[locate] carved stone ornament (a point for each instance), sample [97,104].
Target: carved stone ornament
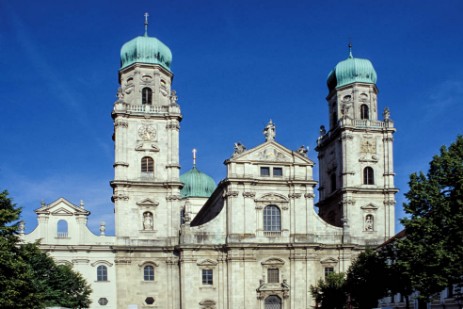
[148,203]
[230,194]
[173,126]
[271,154]
[120,196]
[147,132]
[269,131]
[294,195]
[239,148]
[207,304]
[389,202]
[121,123]
[173,197]
[309,195]
[272,198]
[368,146]
[249,194]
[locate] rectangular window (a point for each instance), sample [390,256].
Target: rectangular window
[277,171]
[207,276]
[328,270]
[273,275]
[265,171]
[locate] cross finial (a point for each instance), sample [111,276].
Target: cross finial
[146,24]
[350,49]
[194,157]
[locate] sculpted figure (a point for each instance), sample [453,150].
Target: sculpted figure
[269,131]
[239,148]
[147,221]
[369,223]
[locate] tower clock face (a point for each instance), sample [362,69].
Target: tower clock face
[147,133]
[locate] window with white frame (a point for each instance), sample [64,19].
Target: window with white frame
[273,275]
[148,273]
[272,218]
[101,273]
[207,276]
[328,271]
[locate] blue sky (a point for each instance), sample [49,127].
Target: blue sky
[237,64]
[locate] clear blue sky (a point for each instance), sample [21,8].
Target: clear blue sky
[236,64]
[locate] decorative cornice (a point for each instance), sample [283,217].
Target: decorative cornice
[309,195]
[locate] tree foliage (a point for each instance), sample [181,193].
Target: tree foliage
[431,253]
[368,279]
[331,292]
[29,278]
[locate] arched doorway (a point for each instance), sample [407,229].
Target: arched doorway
[273,302]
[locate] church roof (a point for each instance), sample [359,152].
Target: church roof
[197,184]
[145,49]
[351,70]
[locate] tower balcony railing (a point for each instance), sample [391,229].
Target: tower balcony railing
[357,123]
[148,109]
[122,107]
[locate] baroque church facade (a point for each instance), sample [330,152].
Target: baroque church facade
[252,241]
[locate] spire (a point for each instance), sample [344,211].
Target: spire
[194,157]
[146,24]
[350,49]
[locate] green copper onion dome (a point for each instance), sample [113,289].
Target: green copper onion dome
[145,49]
[351,70]
[196,184]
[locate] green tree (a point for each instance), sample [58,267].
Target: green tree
[331,292]
[431,251]
[29,278]
[368,279]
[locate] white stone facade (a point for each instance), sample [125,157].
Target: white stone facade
[257,242]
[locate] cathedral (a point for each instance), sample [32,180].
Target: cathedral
[255,239]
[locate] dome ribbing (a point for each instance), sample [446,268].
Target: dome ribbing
[352,70]
[196,184]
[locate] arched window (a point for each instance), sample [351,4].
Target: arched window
[101,273]
[147,165]
[368,176]
[272,218]
[148,273]
[146,96]
[364,112]
[273,302]
[62,229]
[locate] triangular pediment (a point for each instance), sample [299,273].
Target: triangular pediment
[62,207]
[369,207]
[147,202]
[273,262]
[62,212]
[329,260]
[271,152]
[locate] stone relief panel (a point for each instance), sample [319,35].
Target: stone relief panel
[270,154]
[368,149]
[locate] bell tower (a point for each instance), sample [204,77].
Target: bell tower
[146,185]
[355,155]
